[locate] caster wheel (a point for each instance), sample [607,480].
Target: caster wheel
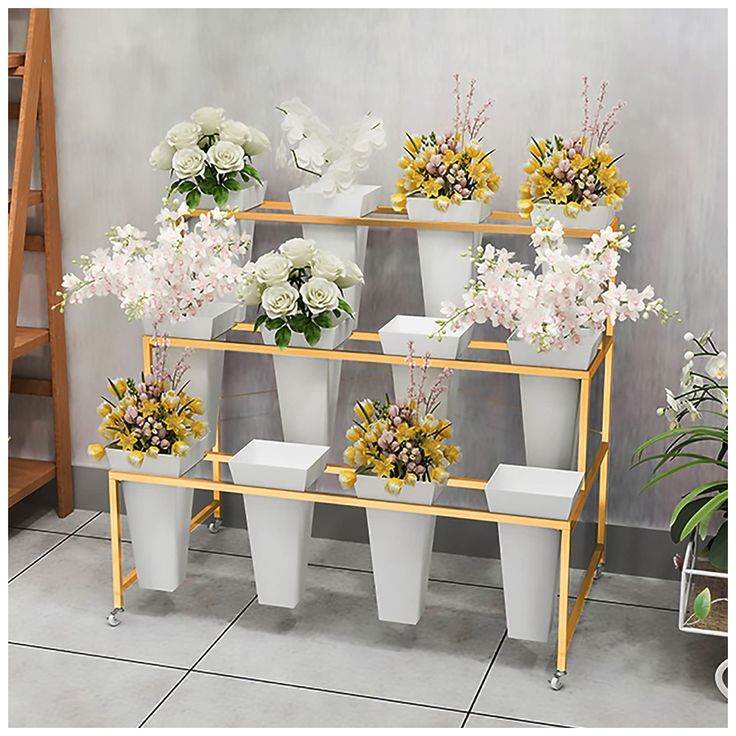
[214,526]
[555,682]
[598,572]
[112,619]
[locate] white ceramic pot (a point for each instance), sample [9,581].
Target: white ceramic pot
[346,241]
[308,387]
[401,548]
[278,529]
[395,337]
[205,366]
[251,196]
[444,272]
[158,519]
[550,406]
[530,556]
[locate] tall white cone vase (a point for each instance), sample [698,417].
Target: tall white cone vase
[445,273]
[158,519]
[308,387]
[402,329]
[205,366]
[278,529]
[596,218]
[401,548]
[530,556]
[550,406]
[346,241]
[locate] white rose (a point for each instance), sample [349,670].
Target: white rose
[272,268]
[234,131]
[209,119]
[226,156]
[299,251]
[320,295]
[257,142]
[352,275]
[280,300]
[161,156]
[184,135]
[188,162]
[327,266]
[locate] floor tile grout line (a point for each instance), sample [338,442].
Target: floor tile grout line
[89,521]
[316,688]
[95,655]
[485,677]
[518,719]
[201,657]
[38,531]
[38,559]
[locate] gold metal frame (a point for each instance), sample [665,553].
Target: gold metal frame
[597,468]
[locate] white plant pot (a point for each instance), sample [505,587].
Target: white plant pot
[395,337]
[278,529]
[530,556]
[401,548]
[596,218]
[444,272]
[308,387]
[158,519]
[550,406]
[248,198]
[346,241]
[205,366]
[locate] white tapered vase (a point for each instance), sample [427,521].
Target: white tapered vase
[346,241]
[278,529]
[420,332]
[205,366]
[445,273]
[308,387]
[401,548]
[158,519]
[530,556]
[550,406]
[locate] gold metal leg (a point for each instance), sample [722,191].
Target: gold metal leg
[117,552]
[583,420]
[562,624]
[605,437]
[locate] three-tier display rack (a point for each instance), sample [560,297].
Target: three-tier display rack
[593,469]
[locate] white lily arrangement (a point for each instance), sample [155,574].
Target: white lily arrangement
[166,280]
[335,158]
[551,309]
[299,288]
[209,154]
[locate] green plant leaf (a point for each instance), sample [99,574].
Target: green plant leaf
[274,323]
[342,304]
[706,511]
[185,186]
[298,322]
[283,337]
[313,333]
[208,187]
[672,471]
[685,513]
[323,320]
[233,185]
[706,491]
[259,321]
[220,195]
[193,199]
[718,548]
[701,604]
[699,430]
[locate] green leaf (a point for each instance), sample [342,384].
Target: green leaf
[718,548]
[252,172]
[298,322]
[283,337]
[274,323]
[220,195]
[683,517]
[342,304]
[185,186]
[324,320]
[261,319]
[208,187]
[193,199]
[233,185]
[672,471]
[706,491]
[701,604]
[312,332]
[704,514]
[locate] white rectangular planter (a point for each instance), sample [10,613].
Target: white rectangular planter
[308,387]
[596,218]
[158,519]
[530,556]
[395,336]
[401,548]
[444,272]
[346,241]
[550,406]
[278,529]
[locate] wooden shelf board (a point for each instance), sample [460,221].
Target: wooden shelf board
[34,242]
[16,59]
[35,196]
[28,339]
[26,476]
[30,386]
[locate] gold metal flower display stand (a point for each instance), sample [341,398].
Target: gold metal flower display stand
[594,470]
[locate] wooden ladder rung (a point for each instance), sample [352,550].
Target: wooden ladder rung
[30,386]
[26,476]
[28,339]
[34,242]
[35,196]
[16,61]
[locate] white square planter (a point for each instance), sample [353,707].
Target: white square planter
[596,218]
[444,272]
[308,387]
[530,556]
[346,241]
[395,337]
[401,548]
[278,528]
[158,519]
[550,406]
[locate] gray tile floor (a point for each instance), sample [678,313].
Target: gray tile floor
[209,655]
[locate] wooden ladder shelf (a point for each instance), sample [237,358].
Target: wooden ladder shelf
[35,114]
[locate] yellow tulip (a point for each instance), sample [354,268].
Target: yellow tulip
[439,475]
[530,167]
[353,434]
[179,448]
[96,451]
[170,400]
[199,429]
[572,209]
[347,478]
[136,458]
[525,207]
[539,148]
[196,406]
[398,201]
[104,409]
[394,485]
[442,203]
[404,162]
[365,408]
[411,479]
[152,451]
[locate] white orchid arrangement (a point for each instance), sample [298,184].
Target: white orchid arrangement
[335,158]
[209,154]
[550,309]
[166,280]
[299,288]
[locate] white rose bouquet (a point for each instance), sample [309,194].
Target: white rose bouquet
[299,288]
[209,154]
